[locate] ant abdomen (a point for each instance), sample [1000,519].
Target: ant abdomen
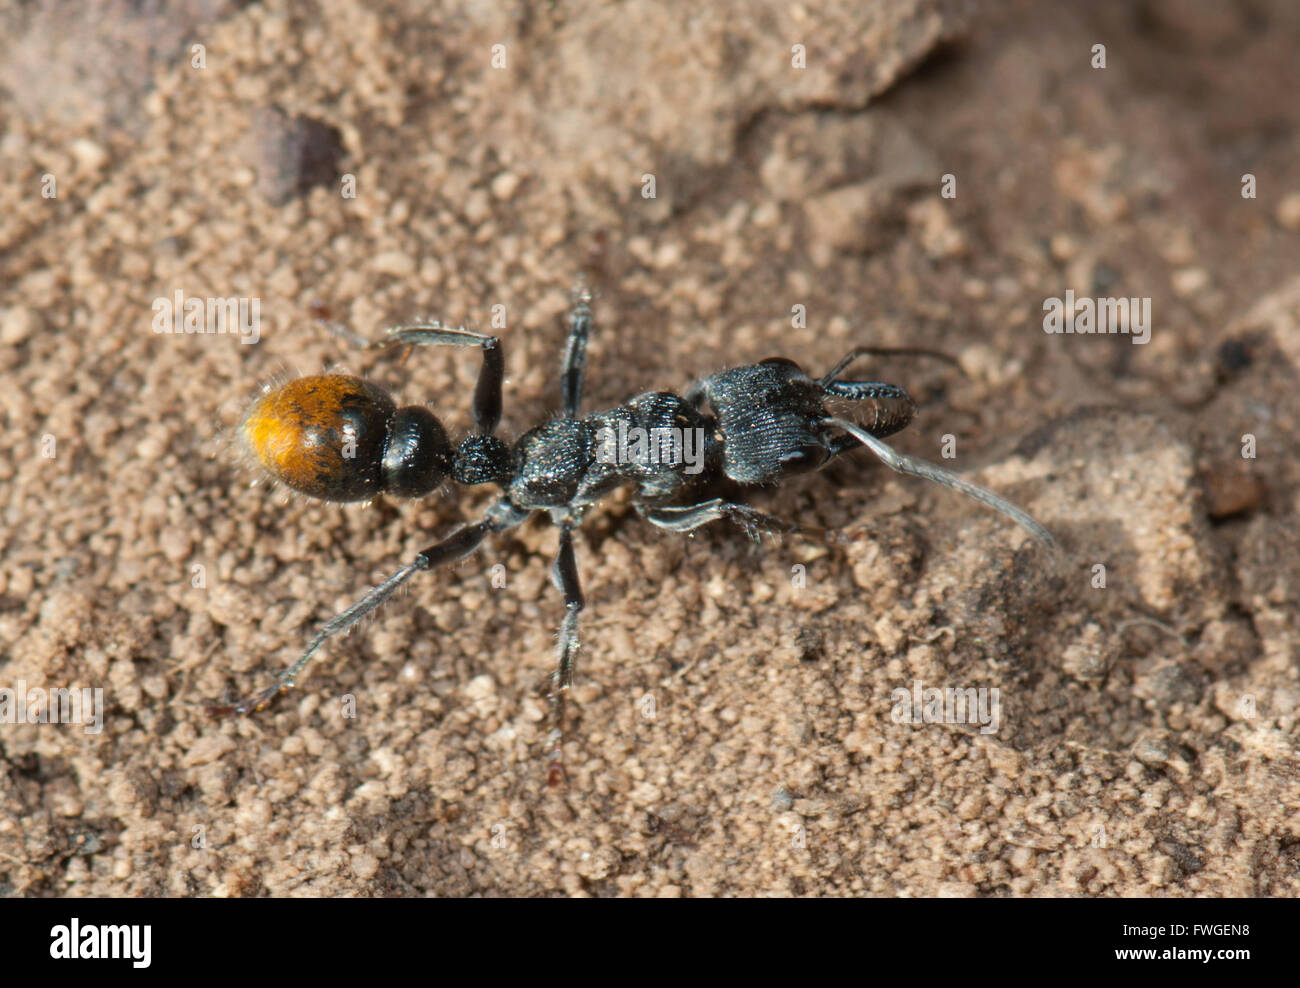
[335,437]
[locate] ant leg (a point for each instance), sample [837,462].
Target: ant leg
[575,350]
[565,577]
[687,518]
[487,392]
[892,409]
[929,471]
[457,545]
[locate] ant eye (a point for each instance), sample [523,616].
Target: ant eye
[802,459]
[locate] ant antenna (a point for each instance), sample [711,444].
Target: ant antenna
[929,471]
[886,351]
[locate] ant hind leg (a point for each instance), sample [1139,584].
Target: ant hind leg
[564,575]
[457,545]
[487,392]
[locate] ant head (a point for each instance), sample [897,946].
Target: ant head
[770,414]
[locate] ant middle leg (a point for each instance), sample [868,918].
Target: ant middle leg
[687,518]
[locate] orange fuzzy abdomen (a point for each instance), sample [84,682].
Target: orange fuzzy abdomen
[323,436]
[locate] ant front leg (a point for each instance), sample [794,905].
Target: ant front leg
[487,392]
[565,577]
[859,352]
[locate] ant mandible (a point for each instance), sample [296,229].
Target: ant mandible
[335,437]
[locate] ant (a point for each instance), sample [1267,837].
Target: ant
[335,437]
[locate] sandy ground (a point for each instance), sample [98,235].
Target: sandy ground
[733,728]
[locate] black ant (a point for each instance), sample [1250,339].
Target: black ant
[339,438]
